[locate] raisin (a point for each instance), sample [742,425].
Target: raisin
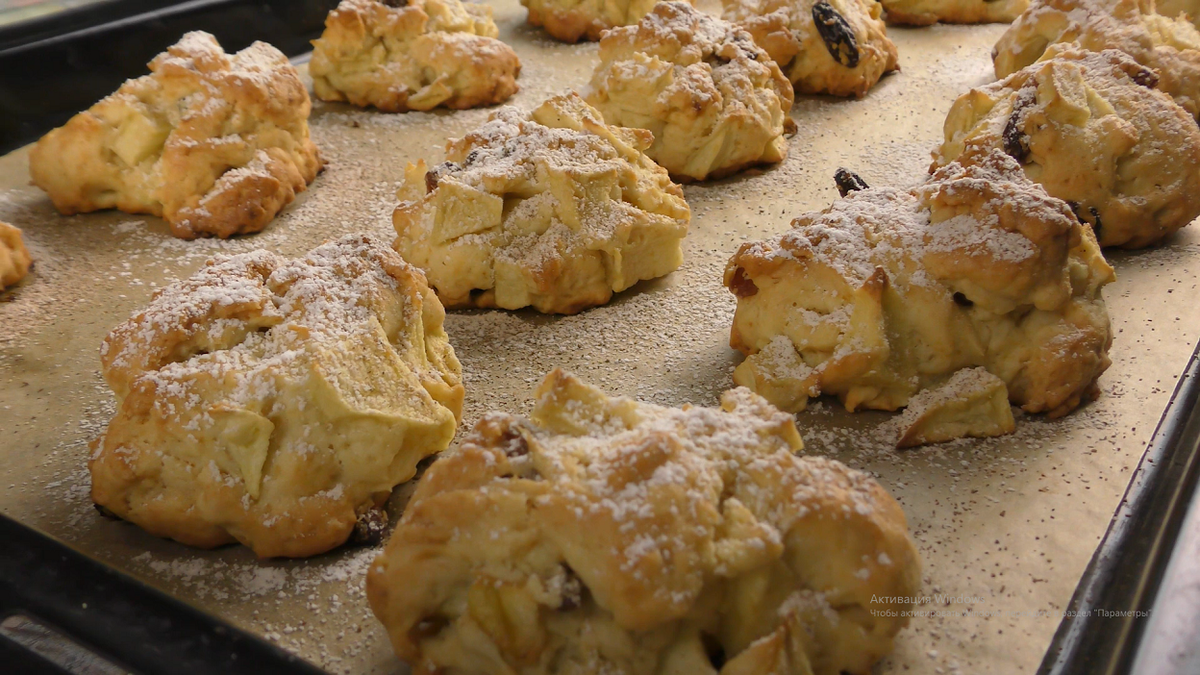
[848,181]
[1147,78]
[1094,223]
[514,443]
[395,3]
[370,527]
[836,33]
[962,300]
[742,285]
[435,174]
[1016,143]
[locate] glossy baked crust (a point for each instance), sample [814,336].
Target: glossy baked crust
[1091,129]
[603,535]
[844,56]
[551,209]
[715,102]
[14,257]
[889,292]
[1167,45]
[276,402]
[215,144]
[415,55]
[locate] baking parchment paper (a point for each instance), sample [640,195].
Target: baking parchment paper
[1005,527]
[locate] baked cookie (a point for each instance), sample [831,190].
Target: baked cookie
[1090,128]
[551,209]
[605,535]
[1168,46]
[575,20]
[929,12]
[276,402]
[889,292]
[14,257]
[214,144]
[715,102]
[837,47]
[413,55]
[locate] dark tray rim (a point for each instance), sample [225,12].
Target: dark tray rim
[46,579]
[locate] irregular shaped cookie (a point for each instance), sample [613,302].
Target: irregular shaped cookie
[889,292]
[972,403]
[215,144]
[276,402]
[929,12]
[413,55]
[575,20]
[1168,46]
[605,535]
[14,257]
[715,102]
[1091,130]
[552,209]
[837,47]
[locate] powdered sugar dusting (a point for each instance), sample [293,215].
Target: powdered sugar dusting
[1012,520]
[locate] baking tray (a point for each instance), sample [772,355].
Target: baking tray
[1006,527]
[54,66]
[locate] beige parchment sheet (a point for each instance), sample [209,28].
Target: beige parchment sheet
[1005,527]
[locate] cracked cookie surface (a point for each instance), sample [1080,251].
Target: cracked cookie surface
[276,402]
[837,47]
[413,55]
[215,144]
[1091,130]
[552,209]
[604,535]
[1168,46]
[715,102]
[890,292]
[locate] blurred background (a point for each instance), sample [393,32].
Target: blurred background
[12,11]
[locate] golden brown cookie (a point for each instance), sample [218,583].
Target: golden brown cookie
[837,47]
[890,292]
[929,12]
[215,144]
[575,20]
[14,257]
[413,55]
[715,102]
[1090,128]
[276,402]
[1168,46]
[552,209]
[605,535]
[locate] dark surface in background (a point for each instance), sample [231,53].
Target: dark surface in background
[118,618]
[1126,572]
[54,67]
